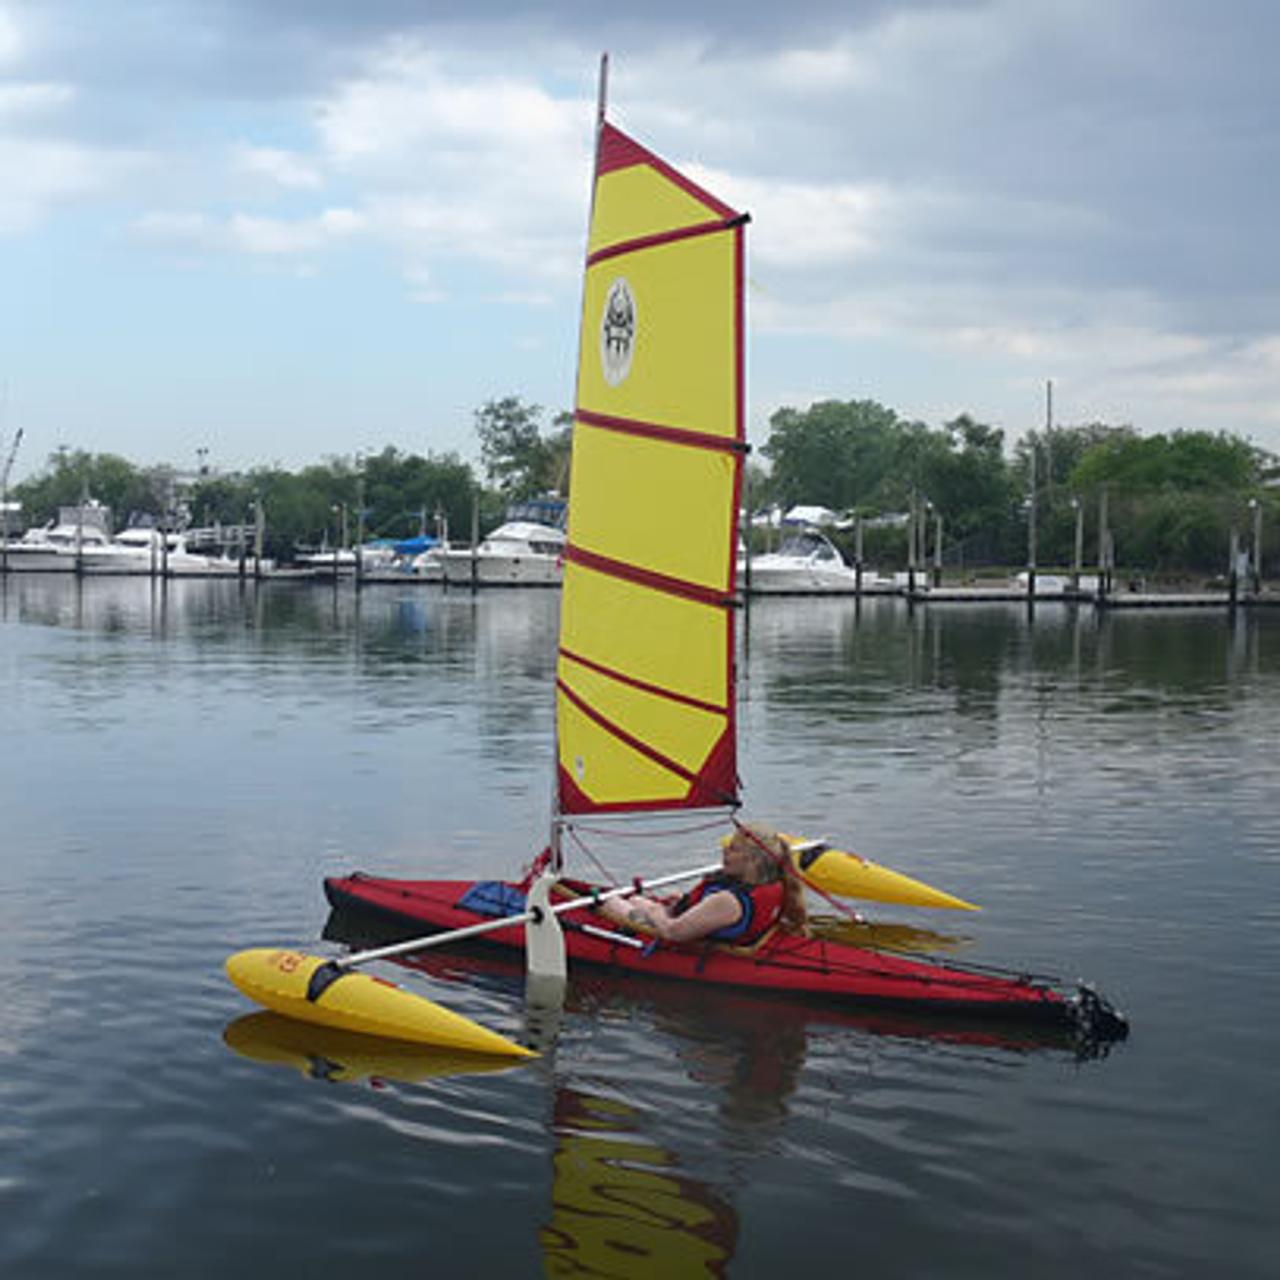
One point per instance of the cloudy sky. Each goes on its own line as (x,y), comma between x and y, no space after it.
(282,229)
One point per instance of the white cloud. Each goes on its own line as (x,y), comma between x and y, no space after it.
(409,101)
(21,100)
(249,233)
(799,224)
(41,175)
(805,72)
(284,168)
(480,167)
(10,38)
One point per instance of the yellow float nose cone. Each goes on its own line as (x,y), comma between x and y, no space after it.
(279,980)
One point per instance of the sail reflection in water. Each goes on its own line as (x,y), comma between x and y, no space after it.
(621,1205)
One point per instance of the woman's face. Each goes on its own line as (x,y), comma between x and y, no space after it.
(738,859)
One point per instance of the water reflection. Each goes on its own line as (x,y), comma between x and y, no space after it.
(621,1205)
(336,1056)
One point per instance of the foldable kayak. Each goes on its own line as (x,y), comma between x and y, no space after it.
(780,963)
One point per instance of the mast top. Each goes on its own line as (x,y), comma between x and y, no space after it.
(602,92)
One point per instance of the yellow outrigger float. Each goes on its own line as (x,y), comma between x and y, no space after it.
(286,981)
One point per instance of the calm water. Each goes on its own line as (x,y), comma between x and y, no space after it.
(181,767)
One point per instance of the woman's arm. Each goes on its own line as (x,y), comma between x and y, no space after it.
(716,911)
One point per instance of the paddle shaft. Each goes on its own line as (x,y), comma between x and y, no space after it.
(521,917)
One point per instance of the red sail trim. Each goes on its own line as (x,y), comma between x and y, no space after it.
(617,731)
(659,238)
(656,431)
(617,151)
(622,678)
(739,426)
(574,800)
(715,787)
(648,578)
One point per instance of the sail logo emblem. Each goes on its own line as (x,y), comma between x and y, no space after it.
(618,332)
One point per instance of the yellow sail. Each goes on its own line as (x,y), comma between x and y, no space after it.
(645,708)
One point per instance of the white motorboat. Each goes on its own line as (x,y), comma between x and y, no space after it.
(145,550)
(519,553)
(374,557)
(60,545)
(807,563)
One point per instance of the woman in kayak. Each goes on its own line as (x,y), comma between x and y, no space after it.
(740,904)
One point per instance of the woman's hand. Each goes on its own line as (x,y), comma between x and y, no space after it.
(633,910)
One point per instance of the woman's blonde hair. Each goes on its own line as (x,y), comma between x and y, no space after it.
(771,861)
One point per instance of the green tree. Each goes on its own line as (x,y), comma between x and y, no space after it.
(834,454)
(74,476)
(517,457)
(1183,460)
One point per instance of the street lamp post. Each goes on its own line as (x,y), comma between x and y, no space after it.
(925,512)
(857,555)
(360,527)
(340,510)
(1256,507)
(1031,525)
(911,547)
(1104,546)
(1078,507)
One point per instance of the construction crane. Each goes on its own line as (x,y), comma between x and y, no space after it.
(8,462)
(4,486)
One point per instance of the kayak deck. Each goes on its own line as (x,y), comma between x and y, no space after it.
(812,967)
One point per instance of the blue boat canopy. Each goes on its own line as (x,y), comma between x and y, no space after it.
(415,546)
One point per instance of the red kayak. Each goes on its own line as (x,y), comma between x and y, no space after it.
(780,963)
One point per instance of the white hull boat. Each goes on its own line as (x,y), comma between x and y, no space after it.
(144,551)
(808,564)
(516,554)
(59,546)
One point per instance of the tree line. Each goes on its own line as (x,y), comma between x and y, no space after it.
(388,494)
(1172,499)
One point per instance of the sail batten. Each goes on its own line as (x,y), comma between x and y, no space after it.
(659,238)
(623,678)
(647,577)
(676,435)
(645,708)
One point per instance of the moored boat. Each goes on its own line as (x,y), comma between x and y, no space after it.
(808,563)
(142,549)
(59,546)
(519,553)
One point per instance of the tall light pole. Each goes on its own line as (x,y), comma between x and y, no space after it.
(1104,546)
(925,512)
(1078,507)
(1256,507)
(1031,524)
